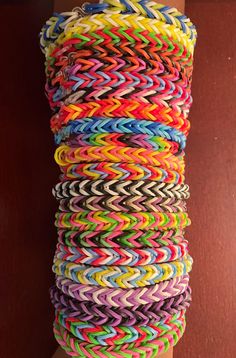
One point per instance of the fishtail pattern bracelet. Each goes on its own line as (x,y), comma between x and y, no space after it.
(112,316)
(118,80)
(118,238)
(118,297)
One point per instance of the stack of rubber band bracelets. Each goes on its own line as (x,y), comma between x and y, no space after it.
(119,85)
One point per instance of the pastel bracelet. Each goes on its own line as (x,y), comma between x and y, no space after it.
(122,276)
(119,297)
(104,315)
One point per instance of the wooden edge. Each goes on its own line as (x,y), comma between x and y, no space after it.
(68,5)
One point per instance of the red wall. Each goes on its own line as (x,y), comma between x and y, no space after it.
(211,163)
(28,173)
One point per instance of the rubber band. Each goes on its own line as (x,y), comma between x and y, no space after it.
(147,188)
(122,203)
(65,155)
(122,108)
(57,24)
(123,140)
(109,221)
(121,171)
(123,257)
(103,315)
(122,276)
(129,238)
(120,125)
(74,346)
(113,336)
(118,297)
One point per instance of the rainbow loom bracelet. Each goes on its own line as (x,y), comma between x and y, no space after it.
(118,82)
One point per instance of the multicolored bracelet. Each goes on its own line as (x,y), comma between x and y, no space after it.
(122,276)
(109,221)
(118,238)
(120,256)
(119,79)
(104,315)
(118,297)
(113,336)
(120,125)
(74,347)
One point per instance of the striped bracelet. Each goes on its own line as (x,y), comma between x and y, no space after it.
(147,188)
(113,336)
(112,316)
(122,276)
(124,257)
(108,221)
(122,171)
(74,346)
(120,125)
(122,203)
(65,155)
(123,140)
(118,297)
(129,238)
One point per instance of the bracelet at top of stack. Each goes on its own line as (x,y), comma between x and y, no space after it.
(119,84)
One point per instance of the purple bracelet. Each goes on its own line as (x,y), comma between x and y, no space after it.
(118,297)
(103,315)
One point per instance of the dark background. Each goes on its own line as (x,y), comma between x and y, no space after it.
(28,172)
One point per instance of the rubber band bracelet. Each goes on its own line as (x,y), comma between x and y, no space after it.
(122,171)
(122,108)
(152,10)
(122,203)
(113,336)
(120,126)
(152,88)
(108,221)
(172,64)
(73,346)
(123,257)
(147,188)
(129,238)
(118,297)
(89,24)
(122,276)
(158,53)
(70,87)
(90,72)
(65,155)
(103,315)
(122,140)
